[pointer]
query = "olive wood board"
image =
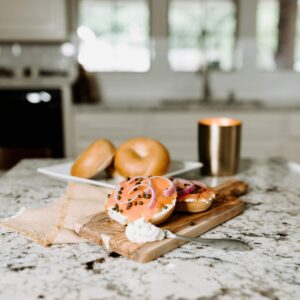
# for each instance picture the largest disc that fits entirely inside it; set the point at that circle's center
(102, 230)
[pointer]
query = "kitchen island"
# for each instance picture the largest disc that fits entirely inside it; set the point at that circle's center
(270, 224)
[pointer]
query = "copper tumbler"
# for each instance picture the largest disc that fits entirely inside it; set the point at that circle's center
(219, 146)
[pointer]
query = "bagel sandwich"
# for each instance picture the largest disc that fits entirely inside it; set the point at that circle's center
(193, 196)
(152, 198)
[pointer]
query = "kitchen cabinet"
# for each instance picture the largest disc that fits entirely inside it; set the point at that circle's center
(265, 133)
(33, 20)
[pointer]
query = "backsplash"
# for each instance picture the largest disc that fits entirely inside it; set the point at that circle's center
(37, 61)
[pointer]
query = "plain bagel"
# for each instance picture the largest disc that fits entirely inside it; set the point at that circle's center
(95, 158)
(141, 157)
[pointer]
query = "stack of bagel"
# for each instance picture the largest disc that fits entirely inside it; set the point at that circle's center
(135, 157)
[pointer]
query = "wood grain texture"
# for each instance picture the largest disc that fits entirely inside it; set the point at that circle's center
(224, 207)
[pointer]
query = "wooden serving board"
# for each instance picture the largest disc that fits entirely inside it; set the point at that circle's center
(100, 229)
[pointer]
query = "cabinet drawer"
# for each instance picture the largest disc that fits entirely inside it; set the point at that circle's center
(261, 149)
(292, 150)
(294, 125)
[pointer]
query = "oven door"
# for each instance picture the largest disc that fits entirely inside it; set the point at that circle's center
(31, 119)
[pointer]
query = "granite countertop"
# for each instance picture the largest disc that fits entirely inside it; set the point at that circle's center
(270, 224)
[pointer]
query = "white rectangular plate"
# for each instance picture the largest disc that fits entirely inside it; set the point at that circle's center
(63, 172)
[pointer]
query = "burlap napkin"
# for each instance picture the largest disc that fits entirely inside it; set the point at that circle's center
(57, 222)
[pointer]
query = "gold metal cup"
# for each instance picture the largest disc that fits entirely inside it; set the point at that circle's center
(219, 142)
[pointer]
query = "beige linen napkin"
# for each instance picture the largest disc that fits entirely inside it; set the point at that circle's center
(56, 222)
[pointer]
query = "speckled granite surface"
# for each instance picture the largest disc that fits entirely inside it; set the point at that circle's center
(271, 223)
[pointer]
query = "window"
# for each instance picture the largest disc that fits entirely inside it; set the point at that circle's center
(201, 33)
(278, 34)
(297, 47)
(114, 35)
(267, 33)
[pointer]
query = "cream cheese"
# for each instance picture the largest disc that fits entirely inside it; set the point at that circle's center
(118, 217)
(141, 231)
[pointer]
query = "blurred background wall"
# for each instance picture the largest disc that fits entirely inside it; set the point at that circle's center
(75, 70)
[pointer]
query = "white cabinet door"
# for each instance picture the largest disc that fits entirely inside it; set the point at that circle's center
(177, 131)
(263, 134)
(292, 148)
(115, 126)
(33, 20)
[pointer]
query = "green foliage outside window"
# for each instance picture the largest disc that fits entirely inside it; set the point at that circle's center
(208, 26)
(115, 20)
